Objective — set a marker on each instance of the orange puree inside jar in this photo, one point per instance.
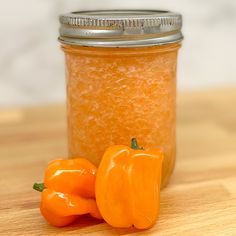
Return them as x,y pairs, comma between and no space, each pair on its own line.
114,94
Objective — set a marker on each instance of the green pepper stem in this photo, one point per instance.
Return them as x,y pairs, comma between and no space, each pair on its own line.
134,144
39,187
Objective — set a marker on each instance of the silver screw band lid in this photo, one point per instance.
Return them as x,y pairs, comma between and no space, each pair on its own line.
120,28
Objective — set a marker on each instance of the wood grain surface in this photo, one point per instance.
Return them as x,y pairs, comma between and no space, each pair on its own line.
200,199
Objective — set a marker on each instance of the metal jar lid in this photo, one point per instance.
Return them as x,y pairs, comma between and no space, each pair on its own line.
120,28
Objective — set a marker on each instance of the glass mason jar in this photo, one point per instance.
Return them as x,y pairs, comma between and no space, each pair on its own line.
121,81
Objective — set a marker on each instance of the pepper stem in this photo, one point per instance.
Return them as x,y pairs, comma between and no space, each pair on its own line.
134,144
39,187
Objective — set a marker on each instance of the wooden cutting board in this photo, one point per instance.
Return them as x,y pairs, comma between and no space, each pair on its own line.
200,199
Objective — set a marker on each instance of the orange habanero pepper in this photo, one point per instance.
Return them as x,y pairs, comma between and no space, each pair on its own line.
68,191
128,186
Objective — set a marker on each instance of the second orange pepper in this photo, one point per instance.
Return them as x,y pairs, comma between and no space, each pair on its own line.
128,186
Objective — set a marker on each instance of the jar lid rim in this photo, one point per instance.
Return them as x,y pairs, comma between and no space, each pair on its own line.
120,28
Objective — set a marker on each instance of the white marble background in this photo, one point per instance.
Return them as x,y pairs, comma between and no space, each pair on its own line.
31,63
